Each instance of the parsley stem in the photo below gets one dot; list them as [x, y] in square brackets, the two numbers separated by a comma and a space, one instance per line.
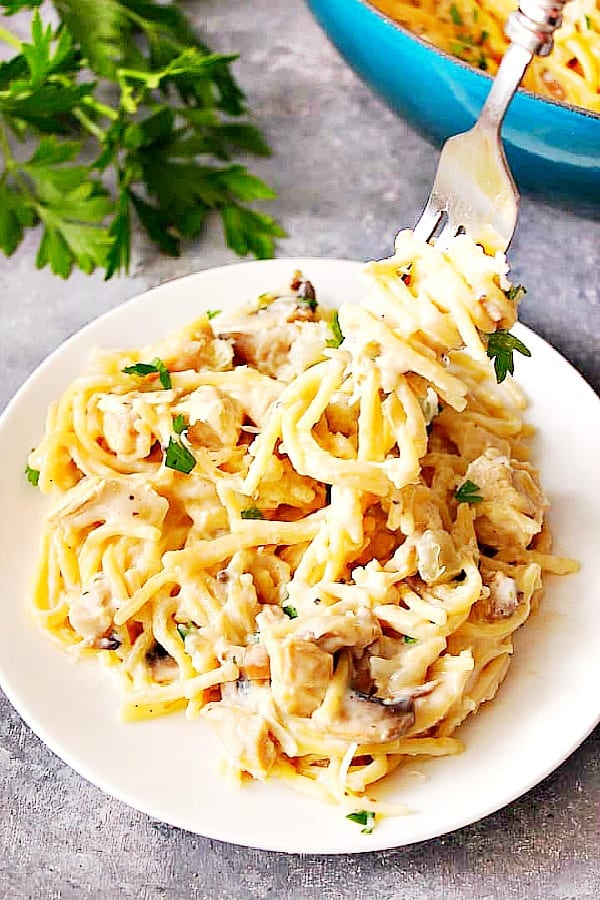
[12, 167]
[9, 161]
[88, 124]
[11, 39]
[101, 108]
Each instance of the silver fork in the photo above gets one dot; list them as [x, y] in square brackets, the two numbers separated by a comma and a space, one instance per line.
[473, 190]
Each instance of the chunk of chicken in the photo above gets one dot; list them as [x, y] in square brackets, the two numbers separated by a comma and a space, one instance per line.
[191, 347]
[424, 506]
[96, 499]
[123, 430]
[91, 612]
[503, 599]
[300, 674]
[254, 391]
[471, 439]
[281, 340]
[369, 720]
[436, 556]
[256, 663]
[513, 504]
[215, 419]
[333, 631]
[245, 736]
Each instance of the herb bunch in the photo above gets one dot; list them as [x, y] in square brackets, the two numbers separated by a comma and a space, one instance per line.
[129, 115]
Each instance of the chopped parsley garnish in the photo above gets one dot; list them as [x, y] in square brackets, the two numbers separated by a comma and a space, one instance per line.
[33, 475]
[307, 295]
[140, 369]
[408, 639]
[462, 49]
[338, 337]
[290, 611]
[180, 423]
[211, 313]
[515, 292]
[467, 493]
[186, 628]
[500, 348]
[308, 301]
[588, 22]
[363, 817]
[178, 457]
[455, 15]
[253, 512]
[156, 366]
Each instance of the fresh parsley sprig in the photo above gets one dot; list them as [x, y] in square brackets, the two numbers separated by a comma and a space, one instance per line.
[516, 292]
[179, 457]
[32, 475]
[467, 493]
[157, 366]
[158, 119]
[500, 347]
[363, 817]
[336, 331]
[252, 512]
[180, 423]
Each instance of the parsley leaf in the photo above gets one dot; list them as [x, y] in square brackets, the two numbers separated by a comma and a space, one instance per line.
[408, 639]
[338, 337]
[500, 348]
[183, 629]
[178, 457]
[33, 475]
[253, 512]
[180, 423]
[163, 373]
[363, 817]
[212, 313]
[467, 493]
[455, 15]
[290, 611]
[156, 366]
[515, 292]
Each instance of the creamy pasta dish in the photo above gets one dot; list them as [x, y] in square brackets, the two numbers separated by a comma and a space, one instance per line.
[473, 30]
[315, 531]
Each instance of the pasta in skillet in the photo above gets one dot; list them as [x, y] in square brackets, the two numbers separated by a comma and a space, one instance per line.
[473, 30]
[318, 533]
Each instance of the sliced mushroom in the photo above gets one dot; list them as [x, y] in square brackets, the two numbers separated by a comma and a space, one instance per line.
[372, 720]
[347, 628]
[161, 664]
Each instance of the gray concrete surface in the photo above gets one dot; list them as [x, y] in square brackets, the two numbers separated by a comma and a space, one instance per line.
[348, 174]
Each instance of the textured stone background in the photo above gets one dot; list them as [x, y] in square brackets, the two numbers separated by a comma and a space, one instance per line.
[348, 174]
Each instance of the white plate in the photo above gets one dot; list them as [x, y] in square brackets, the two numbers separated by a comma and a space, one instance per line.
[166, 768]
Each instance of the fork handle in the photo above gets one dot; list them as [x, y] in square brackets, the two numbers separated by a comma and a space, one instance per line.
[533, 24]
[530, 30]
